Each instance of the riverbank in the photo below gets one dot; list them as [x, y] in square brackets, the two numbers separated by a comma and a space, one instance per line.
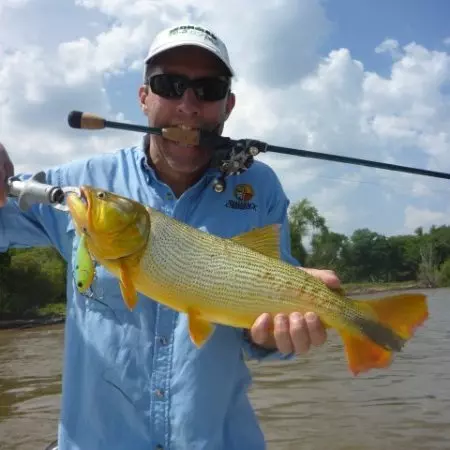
[54, 314]
[374, 288]
[51, 314]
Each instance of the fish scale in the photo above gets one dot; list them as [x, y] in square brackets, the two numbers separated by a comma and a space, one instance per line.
[225, 275]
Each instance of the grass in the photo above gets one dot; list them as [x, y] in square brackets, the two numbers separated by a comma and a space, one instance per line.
[52, 309]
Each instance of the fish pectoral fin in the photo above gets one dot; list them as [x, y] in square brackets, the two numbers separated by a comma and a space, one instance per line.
[265, 240]
[127, 288]
[199, 329]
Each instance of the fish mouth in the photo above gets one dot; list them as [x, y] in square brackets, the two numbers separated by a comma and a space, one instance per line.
[78, 204]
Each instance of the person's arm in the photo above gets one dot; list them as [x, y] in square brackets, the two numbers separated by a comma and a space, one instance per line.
[39, 226]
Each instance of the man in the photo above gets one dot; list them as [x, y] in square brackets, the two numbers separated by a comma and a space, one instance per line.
[133, 380]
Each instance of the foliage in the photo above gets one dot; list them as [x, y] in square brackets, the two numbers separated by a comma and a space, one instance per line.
[370, 257]
[29, 279]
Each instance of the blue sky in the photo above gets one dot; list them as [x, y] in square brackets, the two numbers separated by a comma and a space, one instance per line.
[362, 24]
[309, 76]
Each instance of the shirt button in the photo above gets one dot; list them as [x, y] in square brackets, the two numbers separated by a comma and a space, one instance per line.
[159, 447]
[159, 393]
[163, 340]
[169, 196]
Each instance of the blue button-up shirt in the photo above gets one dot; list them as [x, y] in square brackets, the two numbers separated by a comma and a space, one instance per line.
[134, 380]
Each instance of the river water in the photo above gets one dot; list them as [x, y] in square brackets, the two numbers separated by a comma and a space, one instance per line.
[313, 403]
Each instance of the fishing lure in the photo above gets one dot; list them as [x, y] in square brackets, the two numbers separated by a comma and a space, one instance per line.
[84, 269]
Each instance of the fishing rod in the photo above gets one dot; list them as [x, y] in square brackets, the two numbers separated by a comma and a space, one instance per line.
[232, 156]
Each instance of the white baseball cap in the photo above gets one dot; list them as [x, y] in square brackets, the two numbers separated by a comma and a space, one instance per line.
[188, 34]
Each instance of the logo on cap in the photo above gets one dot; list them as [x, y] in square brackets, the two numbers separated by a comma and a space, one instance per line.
[194, 29]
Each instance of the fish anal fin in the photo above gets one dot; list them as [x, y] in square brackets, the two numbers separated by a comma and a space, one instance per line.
[199, 329]
[363, 354]
[127, 288]
[264, 240]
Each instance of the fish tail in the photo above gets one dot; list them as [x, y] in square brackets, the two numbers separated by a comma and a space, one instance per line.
[395, 321]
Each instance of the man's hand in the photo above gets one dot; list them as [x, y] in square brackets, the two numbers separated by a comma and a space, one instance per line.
[294, 333]
[6, 171]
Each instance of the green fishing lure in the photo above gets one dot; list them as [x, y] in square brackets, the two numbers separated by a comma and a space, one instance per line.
[84, 269]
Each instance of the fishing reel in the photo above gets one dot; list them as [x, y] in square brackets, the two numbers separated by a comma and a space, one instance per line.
[231, 157]
[234, 158]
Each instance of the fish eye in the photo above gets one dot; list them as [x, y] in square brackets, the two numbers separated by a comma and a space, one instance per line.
[101, 195]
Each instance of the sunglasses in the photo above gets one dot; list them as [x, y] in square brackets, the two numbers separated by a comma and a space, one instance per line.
[207, 89]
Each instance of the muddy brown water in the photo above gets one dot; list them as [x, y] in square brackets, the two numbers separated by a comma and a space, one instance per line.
[312, 403]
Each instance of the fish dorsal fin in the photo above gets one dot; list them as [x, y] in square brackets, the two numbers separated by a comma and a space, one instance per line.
[265, 240]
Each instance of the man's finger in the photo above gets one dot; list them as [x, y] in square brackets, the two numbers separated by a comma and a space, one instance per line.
[282, 334]
[316, 330]
[260, 329]
[329, 277]
[299, 333]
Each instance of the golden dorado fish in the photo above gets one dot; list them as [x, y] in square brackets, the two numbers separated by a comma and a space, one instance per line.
[229, 281]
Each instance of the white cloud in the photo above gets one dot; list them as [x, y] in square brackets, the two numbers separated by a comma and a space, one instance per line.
[417, 217]
[287, 94]
[12, 4]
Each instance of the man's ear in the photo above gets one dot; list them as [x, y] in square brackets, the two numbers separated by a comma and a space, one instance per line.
[231, 101]
[143, 92]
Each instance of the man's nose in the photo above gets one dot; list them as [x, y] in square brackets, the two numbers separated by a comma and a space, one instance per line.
[189, 103]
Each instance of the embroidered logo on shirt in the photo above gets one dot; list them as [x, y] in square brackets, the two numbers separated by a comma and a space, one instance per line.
[243, 193]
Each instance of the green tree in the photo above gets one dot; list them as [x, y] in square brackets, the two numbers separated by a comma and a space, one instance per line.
[304, 218]
[327, 248]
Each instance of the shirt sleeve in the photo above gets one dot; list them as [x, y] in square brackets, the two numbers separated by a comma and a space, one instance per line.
[39, 226]
[277, 212]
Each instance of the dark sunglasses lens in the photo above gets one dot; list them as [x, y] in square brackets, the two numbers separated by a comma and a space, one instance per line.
[173, 87]
[168, 86]
[211, 89]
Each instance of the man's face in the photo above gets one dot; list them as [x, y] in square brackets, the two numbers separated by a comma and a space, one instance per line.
[188, 110]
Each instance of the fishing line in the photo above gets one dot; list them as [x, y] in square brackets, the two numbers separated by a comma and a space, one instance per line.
[391, 184]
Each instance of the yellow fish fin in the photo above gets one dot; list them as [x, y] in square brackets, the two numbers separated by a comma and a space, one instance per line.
[401, 314]
[363, 354]
[199, 329]
[127, 288]
[265, 240]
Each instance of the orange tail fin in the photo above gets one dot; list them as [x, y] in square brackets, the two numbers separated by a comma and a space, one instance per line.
[400, 313]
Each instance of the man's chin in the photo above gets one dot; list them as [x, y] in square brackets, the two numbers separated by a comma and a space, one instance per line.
[186, 158]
